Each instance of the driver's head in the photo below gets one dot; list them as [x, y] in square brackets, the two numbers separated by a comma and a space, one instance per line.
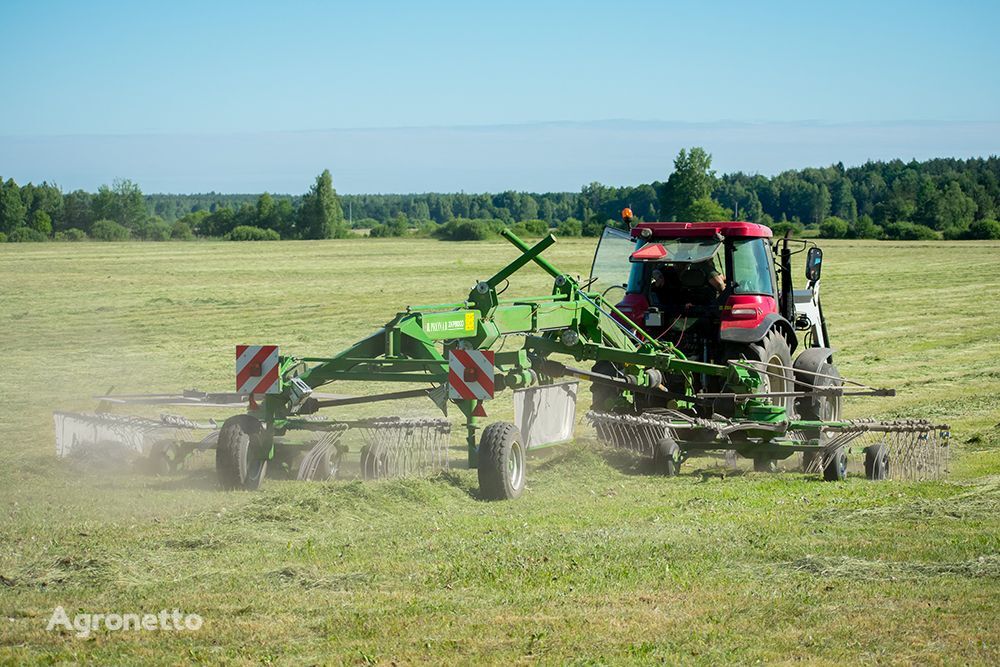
[658, 277]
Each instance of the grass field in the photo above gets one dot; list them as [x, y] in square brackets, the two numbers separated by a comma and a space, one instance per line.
[598, 563]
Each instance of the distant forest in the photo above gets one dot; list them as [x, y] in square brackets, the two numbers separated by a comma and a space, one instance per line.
[934, 199]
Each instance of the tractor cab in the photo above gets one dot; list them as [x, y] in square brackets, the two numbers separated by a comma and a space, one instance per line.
[700, 286]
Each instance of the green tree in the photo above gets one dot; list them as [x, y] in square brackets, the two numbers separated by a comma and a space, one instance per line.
[41, 222]
[320, 215]
[77, 211]
[692, 180]
[706, 209]
[123, 203]
[12, 210]
[954, 208]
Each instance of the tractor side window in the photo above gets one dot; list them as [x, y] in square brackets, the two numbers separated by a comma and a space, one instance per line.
[752, 267]
[611, 261]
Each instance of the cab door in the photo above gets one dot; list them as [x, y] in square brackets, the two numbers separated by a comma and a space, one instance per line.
[611, 266]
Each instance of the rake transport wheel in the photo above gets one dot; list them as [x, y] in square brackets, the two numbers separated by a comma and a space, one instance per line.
[818, 408]
[835, 466]
[374, 465]
[666, 457]
[240, 435]
[765, 465]
[877, 462]
[774, 352]
[501, 462]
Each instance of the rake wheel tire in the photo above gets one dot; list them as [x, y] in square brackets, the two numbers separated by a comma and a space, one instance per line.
[835, 466]
[877, 462]
[373, 466]
[666, 457]
[502, 459]
[238, 436]
[765, 465]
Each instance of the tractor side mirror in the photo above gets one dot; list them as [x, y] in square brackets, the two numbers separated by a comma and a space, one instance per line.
[814, 264]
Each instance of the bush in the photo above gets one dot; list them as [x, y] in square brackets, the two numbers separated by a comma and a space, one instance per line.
[907, 231]
[570, 227]
[181, 231]
[71, 234]
[531, 228]
[984, 229]
[462, 229]
[3, 237]
[26, 235]
[248, 233]
[780, 228]
[594, 226]
[108, 230]
[865, 228]
[834, 228]
[157, 230]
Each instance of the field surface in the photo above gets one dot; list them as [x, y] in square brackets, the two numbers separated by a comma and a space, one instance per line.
[598, 563]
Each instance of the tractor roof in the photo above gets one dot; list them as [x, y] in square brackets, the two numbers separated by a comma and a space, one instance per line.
[728, 229]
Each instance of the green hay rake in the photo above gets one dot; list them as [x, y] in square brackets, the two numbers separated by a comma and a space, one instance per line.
[659, 404]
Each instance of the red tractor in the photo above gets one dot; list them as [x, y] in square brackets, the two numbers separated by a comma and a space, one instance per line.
[721, 291]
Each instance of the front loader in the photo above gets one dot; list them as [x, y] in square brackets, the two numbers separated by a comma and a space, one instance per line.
[656, 399]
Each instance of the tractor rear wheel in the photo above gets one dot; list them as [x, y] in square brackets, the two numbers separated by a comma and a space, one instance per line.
[877, 462]
[835, 465]
[775, 357]
[502, 462]
[236, 463]
[666, 457]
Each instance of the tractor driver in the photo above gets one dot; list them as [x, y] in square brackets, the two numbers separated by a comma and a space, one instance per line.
[667, 282]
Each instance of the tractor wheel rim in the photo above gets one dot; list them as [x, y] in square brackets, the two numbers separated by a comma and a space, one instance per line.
[776, 381]
[515, 466]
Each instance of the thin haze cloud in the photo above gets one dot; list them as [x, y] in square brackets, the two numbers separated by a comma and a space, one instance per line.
[242, 96]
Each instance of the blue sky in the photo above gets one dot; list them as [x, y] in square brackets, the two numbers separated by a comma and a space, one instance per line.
[93, 91]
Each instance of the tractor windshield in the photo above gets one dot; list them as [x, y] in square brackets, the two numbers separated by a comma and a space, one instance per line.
[752, 267]
[687, 251]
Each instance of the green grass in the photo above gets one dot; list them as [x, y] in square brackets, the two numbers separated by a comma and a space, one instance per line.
[599, 562]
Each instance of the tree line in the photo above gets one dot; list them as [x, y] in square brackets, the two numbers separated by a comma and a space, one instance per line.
[933, 199]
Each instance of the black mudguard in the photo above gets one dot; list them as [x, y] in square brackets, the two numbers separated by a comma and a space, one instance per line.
[755, 335]
[809, 362]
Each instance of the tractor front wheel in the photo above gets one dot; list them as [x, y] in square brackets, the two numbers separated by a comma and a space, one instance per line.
[502, 462]
[236, 462]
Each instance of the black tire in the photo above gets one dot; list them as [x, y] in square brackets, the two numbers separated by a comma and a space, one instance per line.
[817, 408]
[603, 396]
[835, 465]
[877, 462]
[236, 468]
[502, 462]
[666, 457]
[774, 351]
[765, 465]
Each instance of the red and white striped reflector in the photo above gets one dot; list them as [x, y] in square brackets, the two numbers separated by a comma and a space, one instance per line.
[257, 369]
[470, 374]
